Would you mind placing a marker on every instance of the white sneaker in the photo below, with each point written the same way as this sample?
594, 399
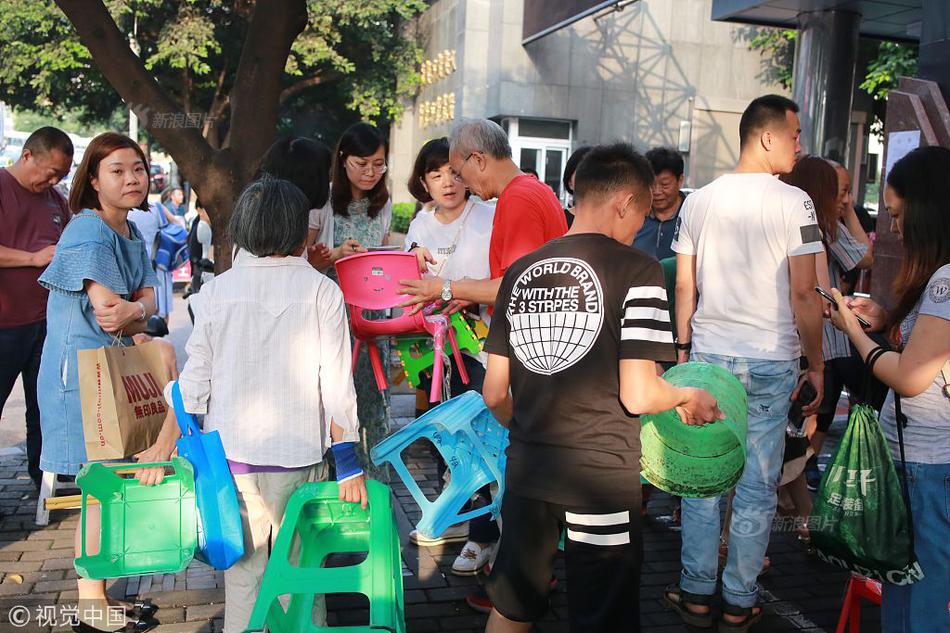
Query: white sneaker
471, 559
457, 533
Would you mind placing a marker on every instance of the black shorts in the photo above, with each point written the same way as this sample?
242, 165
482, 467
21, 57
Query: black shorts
603, 551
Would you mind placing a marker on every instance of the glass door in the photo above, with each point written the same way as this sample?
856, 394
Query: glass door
547, 162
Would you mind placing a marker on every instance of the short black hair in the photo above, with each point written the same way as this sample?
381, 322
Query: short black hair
666, 159
610, 168
433, 156
270, 217
304, 162
762, 112
571, 167
48, 138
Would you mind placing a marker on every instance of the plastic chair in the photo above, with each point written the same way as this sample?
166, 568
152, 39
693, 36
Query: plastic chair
220, 537
471, 442
859, 588
144, 529
370, 281
323, 525
417, 352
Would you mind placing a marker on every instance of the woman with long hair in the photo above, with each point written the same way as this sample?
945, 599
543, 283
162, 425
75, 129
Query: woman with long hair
847, 248
359, 217
916, 197
101, 287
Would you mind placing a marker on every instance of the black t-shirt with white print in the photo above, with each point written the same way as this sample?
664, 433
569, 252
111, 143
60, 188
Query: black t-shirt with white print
566, 314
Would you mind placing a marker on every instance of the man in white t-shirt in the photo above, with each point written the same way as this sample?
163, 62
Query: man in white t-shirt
746, 246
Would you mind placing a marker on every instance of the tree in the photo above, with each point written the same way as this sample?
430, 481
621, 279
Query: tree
212, 78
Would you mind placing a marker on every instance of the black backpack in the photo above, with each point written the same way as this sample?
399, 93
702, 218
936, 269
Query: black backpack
195, 248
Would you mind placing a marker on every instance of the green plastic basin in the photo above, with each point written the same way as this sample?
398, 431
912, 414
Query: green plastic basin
697, 461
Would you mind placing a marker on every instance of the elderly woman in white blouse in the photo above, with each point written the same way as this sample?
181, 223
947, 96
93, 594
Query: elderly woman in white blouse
269, 366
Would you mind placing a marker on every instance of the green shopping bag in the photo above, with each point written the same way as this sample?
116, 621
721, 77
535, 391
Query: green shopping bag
860, 520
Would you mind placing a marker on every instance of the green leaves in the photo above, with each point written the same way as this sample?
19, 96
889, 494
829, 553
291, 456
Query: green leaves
186, 42
192, 47
777, 47
893, 60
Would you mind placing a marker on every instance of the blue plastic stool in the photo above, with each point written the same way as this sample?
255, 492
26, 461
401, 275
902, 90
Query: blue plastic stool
220, 535
471, 442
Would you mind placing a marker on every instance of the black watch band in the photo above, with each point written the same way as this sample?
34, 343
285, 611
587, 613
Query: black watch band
684, 347
414, 246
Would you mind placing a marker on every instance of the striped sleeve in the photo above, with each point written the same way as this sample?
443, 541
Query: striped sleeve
846, 250
645, 329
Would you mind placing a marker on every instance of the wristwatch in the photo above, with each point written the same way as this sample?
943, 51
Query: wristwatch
682, 346
142, 308
447, 290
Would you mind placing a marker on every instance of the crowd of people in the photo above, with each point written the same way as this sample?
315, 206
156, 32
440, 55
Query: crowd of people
581, 316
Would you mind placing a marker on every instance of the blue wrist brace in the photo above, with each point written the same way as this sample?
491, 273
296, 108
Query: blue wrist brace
347, 466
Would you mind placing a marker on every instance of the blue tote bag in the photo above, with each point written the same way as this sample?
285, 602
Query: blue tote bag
220, 536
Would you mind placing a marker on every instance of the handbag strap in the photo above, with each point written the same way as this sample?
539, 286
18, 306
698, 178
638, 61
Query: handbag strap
901, 422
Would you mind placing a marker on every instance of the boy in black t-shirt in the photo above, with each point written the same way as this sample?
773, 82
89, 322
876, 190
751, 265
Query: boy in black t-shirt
579, 325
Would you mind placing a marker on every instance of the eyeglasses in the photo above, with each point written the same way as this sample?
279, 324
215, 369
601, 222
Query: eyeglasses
367, 168
458, 175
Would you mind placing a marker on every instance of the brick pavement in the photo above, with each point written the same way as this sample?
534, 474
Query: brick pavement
801, 594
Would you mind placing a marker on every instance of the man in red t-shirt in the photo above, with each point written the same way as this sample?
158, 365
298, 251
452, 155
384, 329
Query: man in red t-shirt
32, 218
527, 214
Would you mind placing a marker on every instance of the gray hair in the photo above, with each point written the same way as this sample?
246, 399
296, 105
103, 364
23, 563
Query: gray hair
479, 135
270, 218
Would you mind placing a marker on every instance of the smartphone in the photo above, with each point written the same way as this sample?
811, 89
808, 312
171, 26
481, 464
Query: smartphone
805, 395
834, 304
385, 247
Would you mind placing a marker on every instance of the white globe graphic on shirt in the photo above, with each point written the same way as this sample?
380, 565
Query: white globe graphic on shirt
555, 314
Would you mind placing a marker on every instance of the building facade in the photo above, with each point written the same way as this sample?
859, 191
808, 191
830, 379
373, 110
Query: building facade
656, 72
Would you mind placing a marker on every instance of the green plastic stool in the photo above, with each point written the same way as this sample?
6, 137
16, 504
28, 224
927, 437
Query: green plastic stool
697, 461
325, 525
144, 529
416, 353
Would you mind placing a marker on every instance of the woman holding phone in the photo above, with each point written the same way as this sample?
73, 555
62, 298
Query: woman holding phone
918, 404
359, 217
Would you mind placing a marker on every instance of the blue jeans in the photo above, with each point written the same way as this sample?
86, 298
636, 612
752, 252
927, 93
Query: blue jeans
769, 384
922, 606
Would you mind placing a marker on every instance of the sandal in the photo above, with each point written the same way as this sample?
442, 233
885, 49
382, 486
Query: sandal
748, 614
681, 605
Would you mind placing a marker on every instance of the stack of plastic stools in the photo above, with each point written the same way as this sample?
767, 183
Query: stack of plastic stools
859, 588
144, 529
317, 525
471, 442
